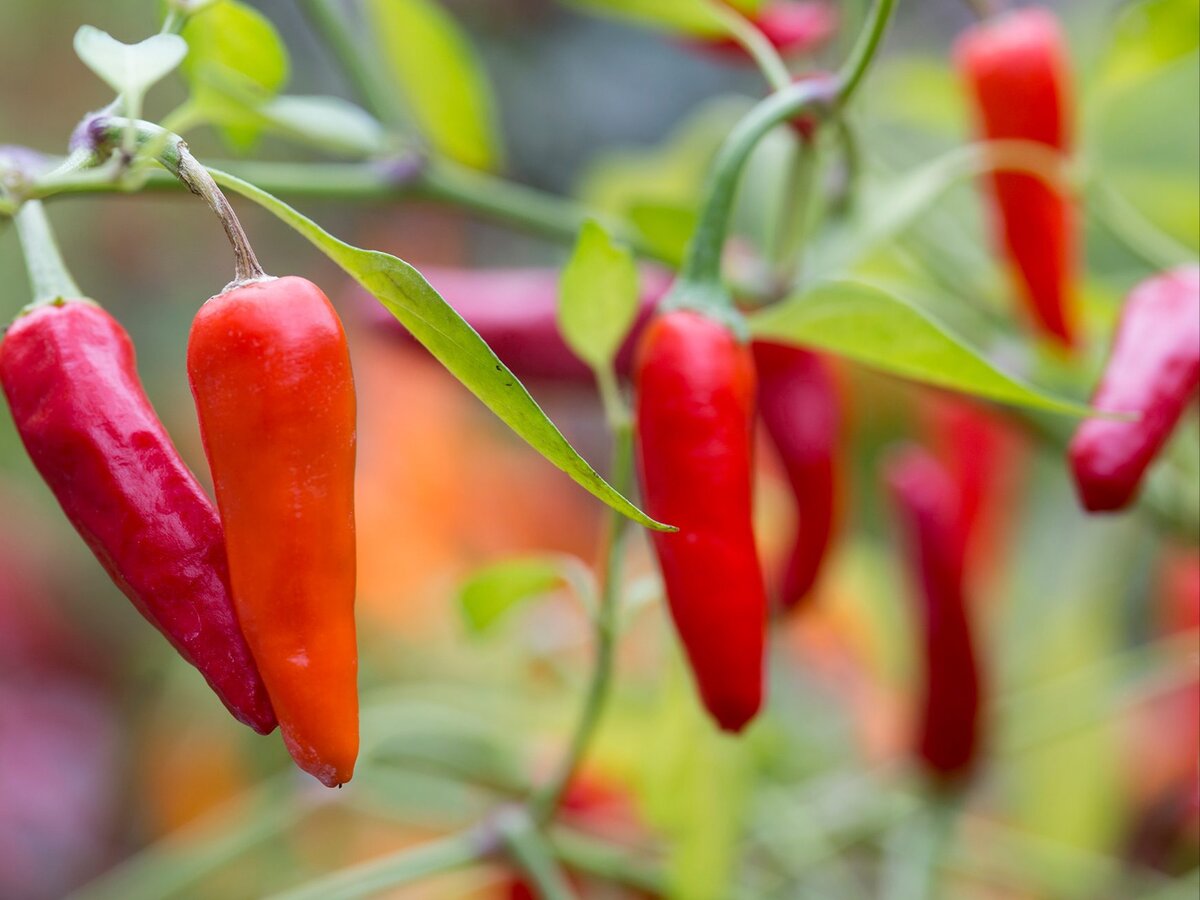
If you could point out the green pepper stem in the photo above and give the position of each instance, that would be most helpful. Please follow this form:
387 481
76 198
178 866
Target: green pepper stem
48 274
852 73
756 45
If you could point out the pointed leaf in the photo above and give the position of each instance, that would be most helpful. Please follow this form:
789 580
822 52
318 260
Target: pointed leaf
598 296
494 590
129 69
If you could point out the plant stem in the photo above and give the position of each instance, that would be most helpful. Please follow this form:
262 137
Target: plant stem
533 854
793 214
395 869
545 801
756 45
851 74
48 274
920 847
347 47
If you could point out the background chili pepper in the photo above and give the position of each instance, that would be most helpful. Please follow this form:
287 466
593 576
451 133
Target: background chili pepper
71 380
270 372
798 404
928 506
1017 73
516 312
1153 370
791 27
695 402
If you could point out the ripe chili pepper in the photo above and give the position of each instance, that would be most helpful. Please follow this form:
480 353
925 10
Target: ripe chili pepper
791 27
69 372
695 403
927 501
270 373
1017 73
1153 370
516 312
798 404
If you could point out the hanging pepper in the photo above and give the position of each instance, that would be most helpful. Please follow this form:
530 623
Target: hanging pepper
793 27
1152 372
927 502
70 376
1017 74
516 312
798 404
695 403
270 372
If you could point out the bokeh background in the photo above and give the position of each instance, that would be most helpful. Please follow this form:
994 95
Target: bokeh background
116 761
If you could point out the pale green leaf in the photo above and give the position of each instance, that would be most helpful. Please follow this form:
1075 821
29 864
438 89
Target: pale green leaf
692 16
436 68
330 123
1149 35
435 324
129 69
494 590
666 228
868 325
598 296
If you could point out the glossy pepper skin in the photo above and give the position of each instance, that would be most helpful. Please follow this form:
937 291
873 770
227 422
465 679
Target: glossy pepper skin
695 405
270 372
1017 75
70 376
798 404
1153 370
927 504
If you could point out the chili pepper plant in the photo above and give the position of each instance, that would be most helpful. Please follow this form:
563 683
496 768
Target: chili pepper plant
819 519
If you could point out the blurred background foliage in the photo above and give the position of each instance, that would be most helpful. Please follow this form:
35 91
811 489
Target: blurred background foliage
113 753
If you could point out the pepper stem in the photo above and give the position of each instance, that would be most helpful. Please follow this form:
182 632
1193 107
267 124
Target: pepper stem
48 274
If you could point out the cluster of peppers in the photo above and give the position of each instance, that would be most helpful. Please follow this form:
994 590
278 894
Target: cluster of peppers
256 592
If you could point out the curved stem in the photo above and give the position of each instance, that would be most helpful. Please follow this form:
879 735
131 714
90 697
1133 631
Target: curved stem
853 71
533 854
48 274
756 45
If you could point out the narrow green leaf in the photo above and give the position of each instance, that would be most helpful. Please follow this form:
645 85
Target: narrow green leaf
598 296
691 16
437 69
129 69
234 51
494 590
433 322
868 325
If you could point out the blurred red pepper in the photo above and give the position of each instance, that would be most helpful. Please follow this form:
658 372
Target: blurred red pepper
791 27
798 404
695 406
928 506
1018 76
270 372
516 312
69 372
1153 371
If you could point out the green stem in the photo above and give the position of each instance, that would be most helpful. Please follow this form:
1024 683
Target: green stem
852 73
793 215
529 849
612 863
347 47
544 803
919 849
395 869
756 45
48 274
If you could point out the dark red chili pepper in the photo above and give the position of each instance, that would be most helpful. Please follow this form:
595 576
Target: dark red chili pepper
516 312
798 404
70 375
270 372
1153 371
927 502
1018 76
791 27
695 404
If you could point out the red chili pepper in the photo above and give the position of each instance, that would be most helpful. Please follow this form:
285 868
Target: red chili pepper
516 312
927 501
695 403
1153 371
69 373
798 404
1017 73
791 27
270 372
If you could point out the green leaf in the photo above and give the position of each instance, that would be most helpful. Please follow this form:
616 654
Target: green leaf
235 52
666 227
1148 36
691 16
433 322
493 591
598 296
868 325
437 69
129 69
